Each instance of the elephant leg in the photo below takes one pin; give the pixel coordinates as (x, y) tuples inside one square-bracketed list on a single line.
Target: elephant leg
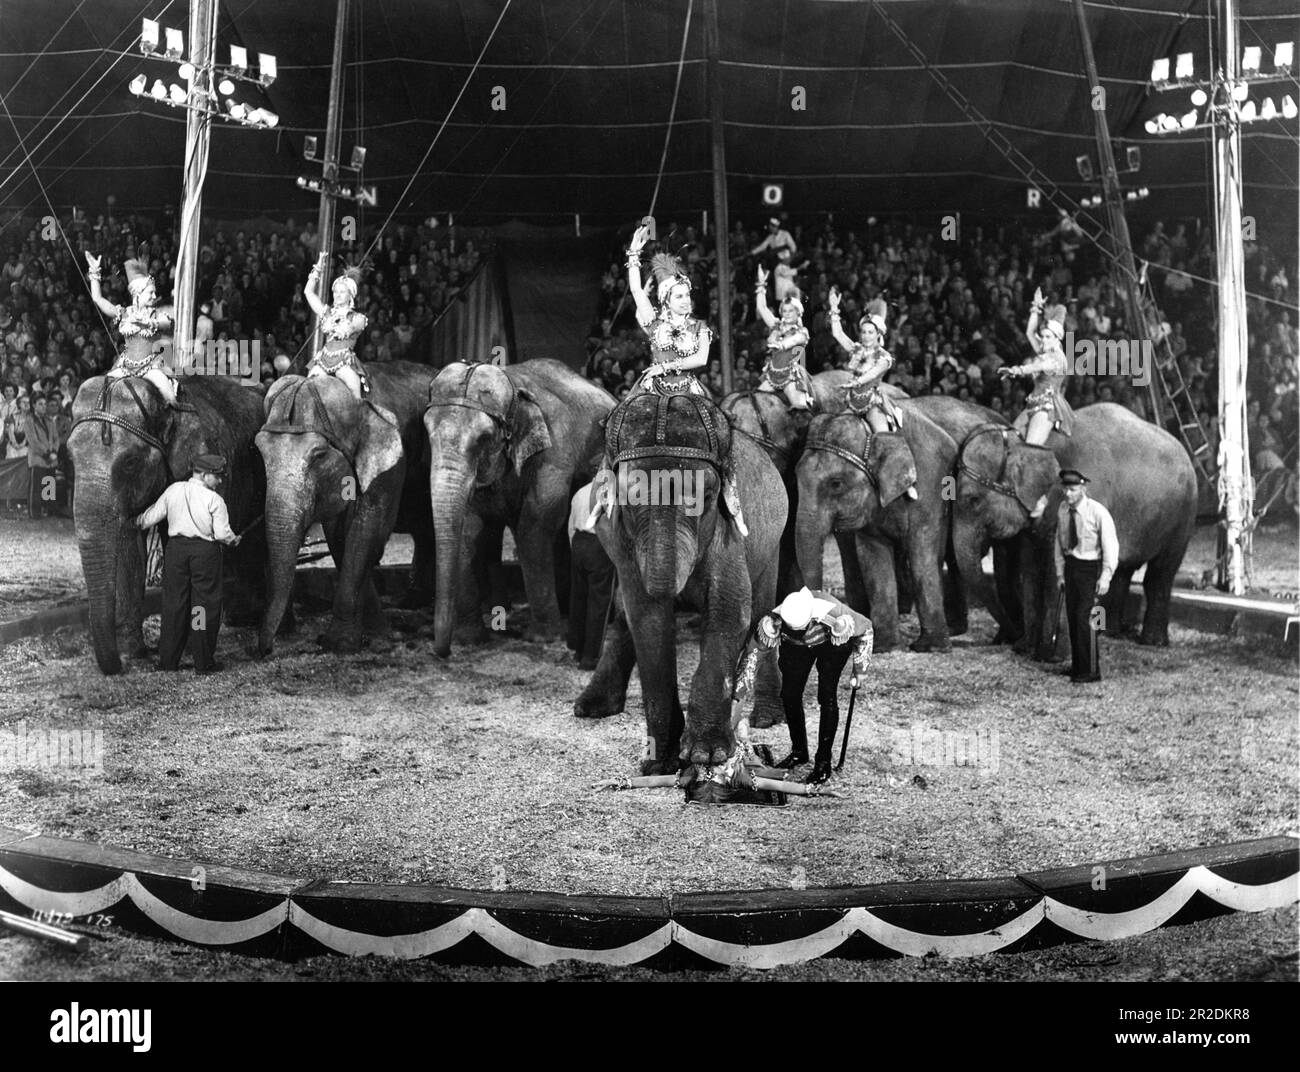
[(877, 558), (489, 577), (905, 597), (924, 560), (356, 600), (130, 593), (534, 539), (335, 530), (476, 556), (1035, 601), (956, 610), (1113, 604), (419, 588), (708, 739), (606, 692), (654, 637), (768, 708), (1006, 565), (1158, 586), (855, 585)]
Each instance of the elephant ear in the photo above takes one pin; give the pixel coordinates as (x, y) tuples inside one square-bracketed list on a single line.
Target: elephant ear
[(529, 434), (1035, 472), (891, 465), (379, 445)]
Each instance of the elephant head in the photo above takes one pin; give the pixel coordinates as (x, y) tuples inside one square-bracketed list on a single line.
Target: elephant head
[(481, 427), (668, 456), (323, 449), (1001, 480), (765, 418), (124, 447), (847, 476)]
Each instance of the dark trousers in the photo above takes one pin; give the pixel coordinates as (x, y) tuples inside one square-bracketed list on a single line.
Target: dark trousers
[(591, 582), (796, 662), (1080, 593), (37, 504), (191, 583)]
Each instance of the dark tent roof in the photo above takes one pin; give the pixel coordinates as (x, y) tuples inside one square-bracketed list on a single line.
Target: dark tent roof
[(589, 86)]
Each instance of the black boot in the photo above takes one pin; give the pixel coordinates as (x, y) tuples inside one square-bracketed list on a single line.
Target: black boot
[(794, 759), (821, 771)]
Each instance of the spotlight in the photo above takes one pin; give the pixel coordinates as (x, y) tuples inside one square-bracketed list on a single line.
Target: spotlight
[(1183, 66), (309, 147), (225, 87), (175, 44), (186, 71), (1160, 71), (358, 159), (1268, 111), (1240, 92), (302, 182), (237, 110), (137, 85), (1199, 98), (1248, 112), (1133, 155), (1153, 127), (239, 58), (1289, 107), (266, 68), (1250, 60), (1168, 122), (158, 91), (1284, 57), (1084, 166), (1189, 120), (270, 118), (176, 94), (1144, 192), (149, 37)]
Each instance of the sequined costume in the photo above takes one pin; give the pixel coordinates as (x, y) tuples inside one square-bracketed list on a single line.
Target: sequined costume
[(669, 344), (785, 363), (862, 398), (1047, 395), (341, 325)]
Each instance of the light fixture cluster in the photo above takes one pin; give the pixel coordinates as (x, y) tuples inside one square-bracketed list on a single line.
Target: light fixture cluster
[(1230, 99), (195, 95), (348, 190), (1140, 194)]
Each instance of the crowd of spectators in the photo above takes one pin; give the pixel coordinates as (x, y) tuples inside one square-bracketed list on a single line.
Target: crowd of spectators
[(957, 311), (249, 285)]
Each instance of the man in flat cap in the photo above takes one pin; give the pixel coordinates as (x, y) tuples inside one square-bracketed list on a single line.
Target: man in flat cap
[(809, 627), (197, 523), (1087, 552)]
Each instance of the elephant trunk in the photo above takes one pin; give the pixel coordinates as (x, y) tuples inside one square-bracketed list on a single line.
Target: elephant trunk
[(450, 485), (812, 526), (286, 523), (665, 552), (99, 534)]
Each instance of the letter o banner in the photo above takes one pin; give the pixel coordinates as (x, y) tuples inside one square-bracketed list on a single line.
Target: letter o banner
[(773, 194)]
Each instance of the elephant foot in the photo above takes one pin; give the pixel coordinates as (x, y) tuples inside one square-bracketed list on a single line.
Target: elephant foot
[(258, 650), (958, 627), (344, 642), (596, 702), (380, 643), (930, 642), (143, 651), (706, 746), (111, 665), (1022, 646), (415, 599), (766, 714), (542, 634), (884, 642), (1154, 639), (1007, 636), (659, 766), (1047, 655)]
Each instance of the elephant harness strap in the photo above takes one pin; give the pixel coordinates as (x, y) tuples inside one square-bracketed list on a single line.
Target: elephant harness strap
[(780, 455), (998, 483), (101, 415), (861, 461), (323, 426), (660, 447), (505, 424)]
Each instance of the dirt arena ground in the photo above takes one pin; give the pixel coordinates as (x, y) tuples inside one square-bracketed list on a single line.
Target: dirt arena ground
[(401, 767)]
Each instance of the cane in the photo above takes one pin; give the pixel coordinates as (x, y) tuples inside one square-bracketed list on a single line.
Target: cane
[(250, 526), (1056, 616), (848, 724)]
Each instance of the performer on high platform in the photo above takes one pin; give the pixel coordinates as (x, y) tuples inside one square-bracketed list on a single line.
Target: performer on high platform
[(141, 323), (342, 324), (787, 342), (869, 361), (1046, 408)]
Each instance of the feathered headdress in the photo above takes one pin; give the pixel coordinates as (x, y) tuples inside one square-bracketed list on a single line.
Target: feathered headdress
[(1054, 322), (795, 299), (351, 277), (137, 276), (876, 321), (668, 273)]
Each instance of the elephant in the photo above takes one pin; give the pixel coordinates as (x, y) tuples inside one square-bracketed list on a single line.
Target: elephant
[(689, 546), (332, 459), (509, 445), (998, 483), (1144, 477), (127, 445), (853, 481)]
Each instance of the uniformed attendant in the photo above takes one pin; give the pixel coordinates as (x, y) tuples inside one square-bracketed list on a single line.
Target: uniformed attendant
[(197, 523), (1087, 552), (809, 627)]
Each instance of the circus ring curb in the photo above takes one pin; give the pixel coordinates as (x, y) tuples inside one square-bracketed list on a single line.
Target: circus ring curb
[(277, 916)]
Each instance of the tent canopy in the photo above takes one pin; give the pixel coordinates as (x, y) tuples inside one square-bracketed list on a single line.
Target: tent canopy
[(568, 111)]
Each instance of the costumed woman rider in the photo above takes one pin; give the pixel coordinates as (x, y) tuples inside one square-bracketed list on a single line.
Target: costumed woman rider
[(787, 342), (1045, 408), (140, 323), (341, 325), (869, 361), (679, 343)]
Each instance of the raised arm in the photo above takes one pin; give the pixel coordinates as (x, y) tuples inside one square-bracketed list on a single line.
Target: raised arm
[(760, 298), (645, 312), (1031, 329), (837, 328), (96, 295), (310, 291)]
